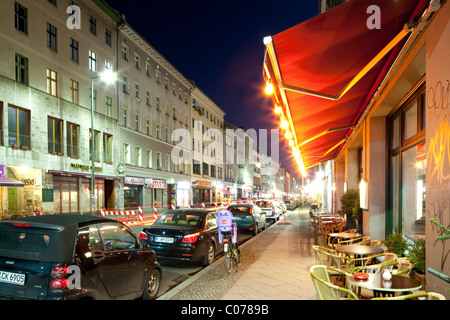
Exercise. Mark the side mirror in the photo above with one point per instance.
(98, 256)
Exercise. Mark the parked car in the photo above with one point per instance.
(290, 205)
(67, 256)
(186, 235)
(271, 209)
(249, 217)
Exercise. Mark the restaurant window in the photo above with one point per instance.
(407, 168)
(18, 127)
(73, 138)
(54, 135)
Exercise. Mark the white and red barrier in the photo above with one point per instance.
(121, 213)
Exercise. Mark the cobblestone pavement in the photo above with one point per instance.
(274, 265)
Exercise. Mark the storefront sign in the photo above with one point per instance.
(85, 167)
(131, 180)
(204, 184)
(155, 184)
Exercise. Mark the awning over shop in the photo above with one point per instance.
(326, 70)
(7, 182)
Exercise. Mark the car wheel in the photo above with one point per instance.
(210, 255)
(152, 285)
(255, 229)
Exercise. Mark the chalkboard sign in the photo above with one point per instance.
(47, 195)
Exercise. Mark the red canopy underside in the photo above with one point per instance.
(323, 54)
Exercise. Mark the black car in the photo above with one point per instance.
(248, 217)
(66, 257)
(185, 235)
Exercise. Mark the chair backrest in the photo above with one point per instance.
(324, 288)
(426, 295)
(326, 254)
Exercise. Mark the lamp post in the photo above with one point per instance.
(108, 77)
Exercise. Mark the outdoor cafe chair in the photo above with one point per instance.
(325, 289)
(357, 240)
(415, 296)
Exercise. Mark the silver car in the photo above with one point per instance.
(271, 209)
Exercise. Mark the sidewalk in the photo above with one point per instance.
(274, 266)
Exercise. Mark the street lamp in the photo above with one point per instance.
(108, 77)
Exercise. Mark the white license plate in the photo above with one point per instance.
(164, 239)
(12, 278)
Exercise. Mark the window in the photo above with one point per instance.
(149, 127)
(407, 168)
(74, 91)
(109, 107)
(124, 52)
(158, 131)
(196, 167)
(108, 37)
(92, 61)
(167, 134)
(18, 126)
(137, 121)
(205, 169)
(126, 153)
(21, 69)
(54, 134)
(174, 113)
(167, 162)
(92, 25)
(149, 158)
(107, 147)
(137, 61)
(20, 17)
(138, 157)
(96, 145)
(117, 238)
(53, 2)
(74, 50)
(149, 98)
(51, 36)
(166, 83)
(95, 98)
(158, 103)
(148, 69)
(137, 89)
(158, 76)
(73, 135)
(52, 78)
(125, 117)
(158, 160)
(126, 84)
(108, 65)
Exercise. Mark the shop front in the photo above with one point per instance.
(154, 192)
(133, 192)
(201, 192)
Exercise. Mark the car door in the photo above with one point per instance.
(120, 262)
(213, 230)
(260, 216)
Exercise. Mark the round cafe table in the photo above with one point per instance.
(359, 250)
(383, 287)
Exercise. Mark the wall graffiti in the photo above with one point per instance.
(438, 162)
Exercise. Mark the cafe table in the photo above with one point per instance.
(359, 250)
(382, 287)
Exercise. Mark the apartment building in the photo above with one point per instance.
(154, 102)
(48, 58)
(207, 134)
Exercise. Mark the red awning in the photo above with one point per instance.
(313, 64)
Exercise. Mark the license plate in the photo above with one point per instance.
(164, 239)
(12, 278)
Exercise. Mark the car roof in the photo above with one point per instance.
(63, 220)
(192, 210)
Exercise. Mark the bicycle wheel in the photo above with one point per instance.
(227, 257)
(236, 256)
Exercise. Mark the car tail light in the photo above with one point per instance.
(59, 283)
(26, 225)
(59, 271)
(250, 210)
(143, 236)
(191, 238)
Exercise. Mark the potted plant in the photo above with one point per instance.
(351, 209)
(417, 258)
(395, 243)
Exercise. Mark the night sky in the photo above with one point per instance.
(219, 45)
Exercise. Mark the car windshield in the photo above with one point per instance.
(264, 204)
(240, 211)
(180, 218)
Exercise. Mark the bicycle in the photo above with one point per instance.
(228, 237)
(231, 252)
